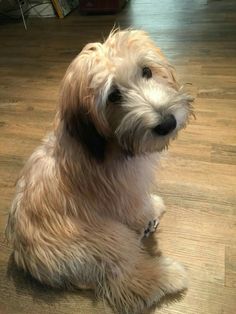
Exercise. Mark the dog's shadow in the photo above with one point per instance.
(165, 301)
(25, 284)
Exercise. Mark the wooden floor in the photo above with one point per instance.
(198, 176)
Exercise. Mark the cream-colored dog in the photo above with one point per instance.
(83, 201)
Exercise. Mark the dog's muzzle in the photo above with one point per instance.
(167, 125)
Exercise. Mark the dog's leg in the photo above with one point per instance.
(128, 277)
(109, 257)
(134, 291)
(145, 218)
(158, 210)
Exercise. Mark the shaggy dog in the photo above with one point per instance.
(83, 202)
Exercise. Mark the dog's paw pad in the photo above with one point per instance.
(155, 223)
(152, 226)
(146, 233)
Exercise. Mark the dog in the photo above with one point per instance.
(83, 205)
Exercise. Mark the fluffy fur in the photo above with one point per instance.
(83, 199)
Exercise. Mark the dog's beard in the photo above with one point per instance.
(143, 141)
(136, 131)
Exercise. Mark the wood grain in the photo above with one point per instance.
(197, 177)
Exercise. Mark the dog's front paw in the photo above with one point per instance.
(158, 205)
(152, 226)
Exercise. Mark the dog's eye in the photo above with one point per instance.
(146, 72)
(115, 96)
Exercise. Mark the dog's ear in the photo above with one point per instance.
(80, 126)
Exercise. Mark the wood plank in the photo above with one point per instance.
(230, 267)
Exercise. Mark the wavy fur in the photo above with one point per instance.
(83, 198)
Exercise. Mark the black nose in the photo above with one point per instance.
(167, 125)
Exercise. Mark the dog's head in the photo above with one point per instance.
(124, 91)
